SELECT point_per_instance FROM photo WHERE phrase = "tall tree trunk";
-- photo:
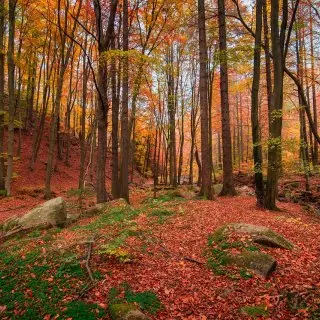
(228, 184)
(124, 171)
(102, 113)
(172, 122)
(2, 84)
(11, 67)
(181, 140)
(83, 148)
(206, 156)
(255, 122)
(304, 154)
(275, 112)
(115, 186)
(315, 158)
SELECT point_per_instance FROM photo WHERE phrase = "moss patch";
(255, 311)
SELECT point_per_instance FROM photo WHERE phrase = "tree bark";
(124, 170)
(228, 184)
(255, 122)
(206, 156)
(11, 87)
(2, 85)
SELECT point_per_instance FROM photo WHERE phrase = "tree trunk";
(83, 120)
(172, 122)
(315, 158)
(255, 122)
(124, 170)
(275, 112)
(115, 186)
(228, 184)
(2, 84)
(206, 156)
(11, 89)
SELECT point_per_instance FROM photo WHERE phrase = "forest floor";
(153, 253)
(28, 186)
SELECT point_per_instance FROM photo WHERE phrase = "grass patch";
(80, 192)
(115, 216)
(83, 311)
(171, 195)
(147, 301)
(162, 214)
(217, 236)
(35, 285)
(255, 311)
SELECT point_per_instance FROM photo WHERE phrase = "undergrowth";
(147, 301)
(35, 285)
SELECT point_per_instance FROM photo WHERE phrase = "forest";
(159, 159)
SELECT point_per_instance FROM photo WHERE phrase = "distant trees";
(149, 87)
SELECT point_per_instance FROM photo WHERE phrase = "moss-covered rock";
(263, 235)
(234, 244)
(261, 263)
(126, 311)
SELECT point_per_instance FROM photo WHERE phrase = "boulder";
(50, 213)
(261, 263)
(263, 235)
(126, 311)
(248, 256)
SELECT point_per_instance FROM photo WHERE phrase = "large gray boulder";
(49, 214)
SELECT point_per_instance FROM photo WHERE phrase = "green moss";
(162, 214)
(117, 215)
(255, 311)
(70, 269)
(147, 301)
(277, 238)
(83, 311)
(217, 236)
(117, 311)
(80, 192)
